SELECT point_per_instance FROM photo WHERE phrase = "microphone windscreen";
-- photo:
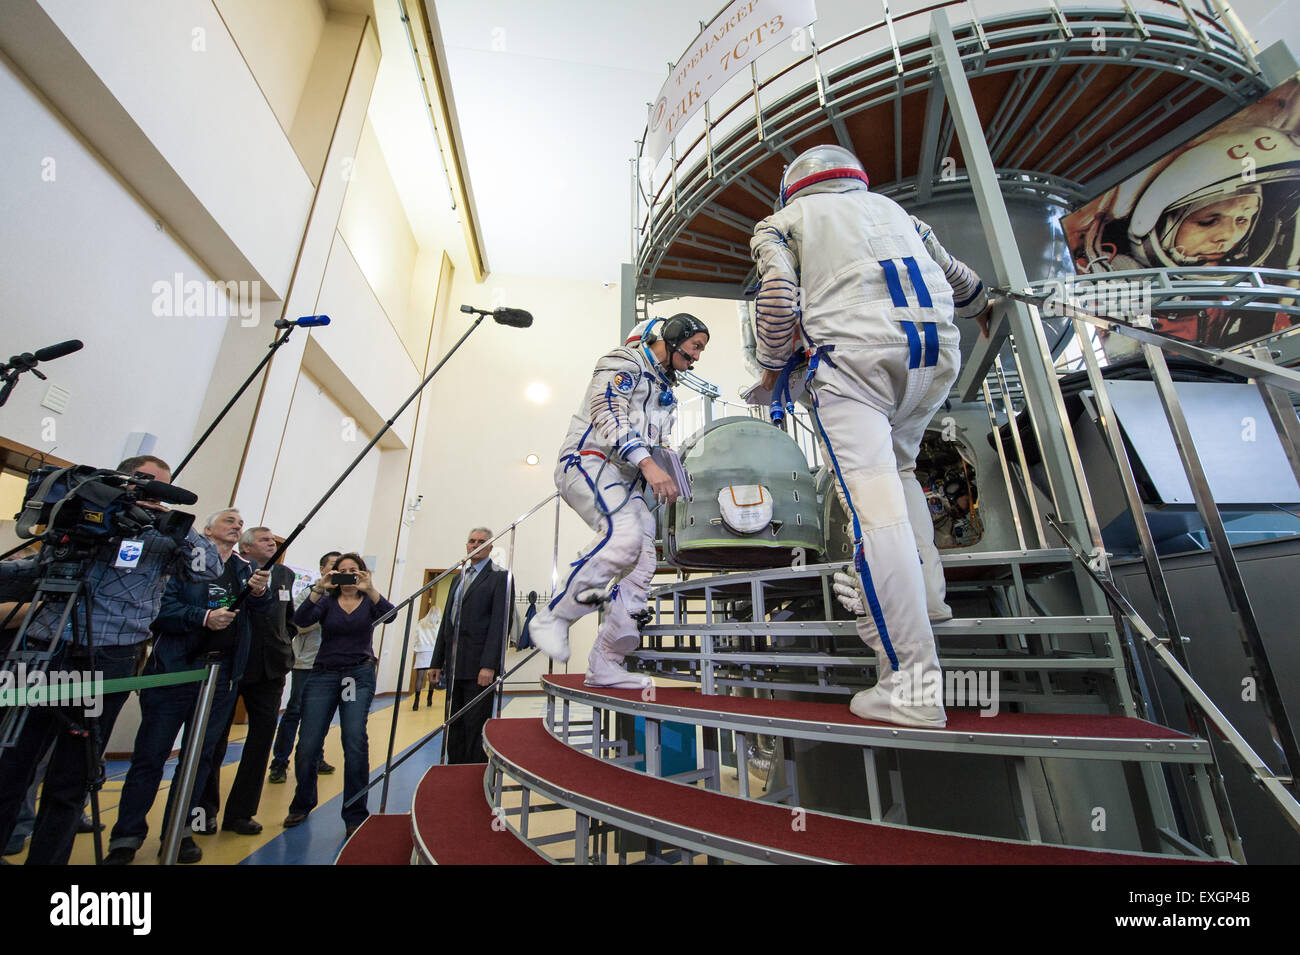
(167, 493)
(50, 352)
(311, 321)
(515, 317)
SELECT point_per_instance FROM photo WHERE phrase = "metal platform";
(719, 630)
(1002, 734)
(1064, 116)
(698, 822)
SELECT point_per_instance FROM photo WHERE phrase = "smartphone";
(339, 580)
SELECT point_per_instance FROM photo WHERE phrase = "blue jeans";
(163, 711)
(67, 778)
(351, 691)
(288, 731)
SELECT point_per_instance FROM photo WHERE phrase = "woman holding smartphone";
(346, 605)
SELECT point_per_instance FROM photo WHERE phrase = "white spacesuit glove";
(847, 593)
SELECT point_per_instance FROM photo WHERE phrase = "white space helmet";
(820, 164)
(1256, 162)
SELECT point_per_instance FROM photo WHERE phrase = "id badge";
(285, 595)
(128, 554)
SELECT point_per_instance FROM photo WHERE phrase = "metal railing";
(410, 605)
(720, 146)
(1276, 385)
(182, 787)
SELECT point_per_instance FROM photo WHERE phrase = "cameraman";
(195, 621)
(118, 606)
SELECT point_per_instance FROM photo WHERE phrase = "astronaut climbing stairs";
(600, 780)
(777, 637)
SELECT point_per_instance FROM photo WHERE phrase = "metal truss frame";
(1032, 43)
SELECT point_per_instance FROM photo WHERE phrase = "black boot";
(416, 697)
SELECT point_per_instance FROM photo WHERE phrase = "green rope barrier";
(46, 694)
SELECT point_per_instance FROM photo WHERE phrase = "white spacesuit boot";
(550, 634)
(894, 599)
(605, 665)
(619, 634)
(918, 515)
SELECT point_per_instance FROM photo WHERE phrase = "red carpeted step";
(1086, 725)
(526, 744)
(452, 821)
(381, 840)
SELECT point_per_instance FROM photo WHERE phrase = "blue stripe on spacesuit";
(913, 345)
(931, 343)
(577, 565)
(979, 288)
(859, 552)
(895, 286)
(918, 283)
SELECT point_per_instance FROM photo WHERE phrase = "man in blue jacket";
(194, 621)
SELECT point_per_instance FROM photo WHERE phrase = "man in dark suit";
(471, 641)
(270, 657)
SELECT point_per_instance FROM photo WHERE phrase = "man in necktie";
(471, 644)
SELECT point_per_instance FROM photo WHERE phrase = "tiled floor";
(318, 840)
(315, 842)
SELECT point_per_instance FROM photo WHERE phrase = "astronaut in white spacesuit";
(606, 474)
(868, 295)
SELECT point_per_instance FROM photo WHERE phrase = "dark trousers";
(68, 777)
(465, 736)
(163, 711)
(288, 731)
(262, 702)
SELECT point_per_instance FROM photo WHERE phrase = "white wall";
(188, 89)
(317, 447)
(278, 42)
(374, 225)
(364, 346)
(79, 256)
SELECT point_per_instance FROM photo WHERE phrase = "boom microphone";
(51, 352)
(308, 321)
(514, 317)
(167, 493)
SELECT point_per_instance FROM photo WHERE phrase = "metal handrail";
(497, 684)
(1141, 332)
(1271, 380)
(1275, 785)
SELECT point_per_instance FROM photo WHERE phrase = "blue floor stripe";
(318, 840)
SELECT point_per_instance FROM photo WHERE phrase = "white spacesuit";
(606, 475)
(870, 294)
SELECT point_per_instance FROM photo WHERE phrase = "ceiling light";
(532, 459)
(537, 391)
